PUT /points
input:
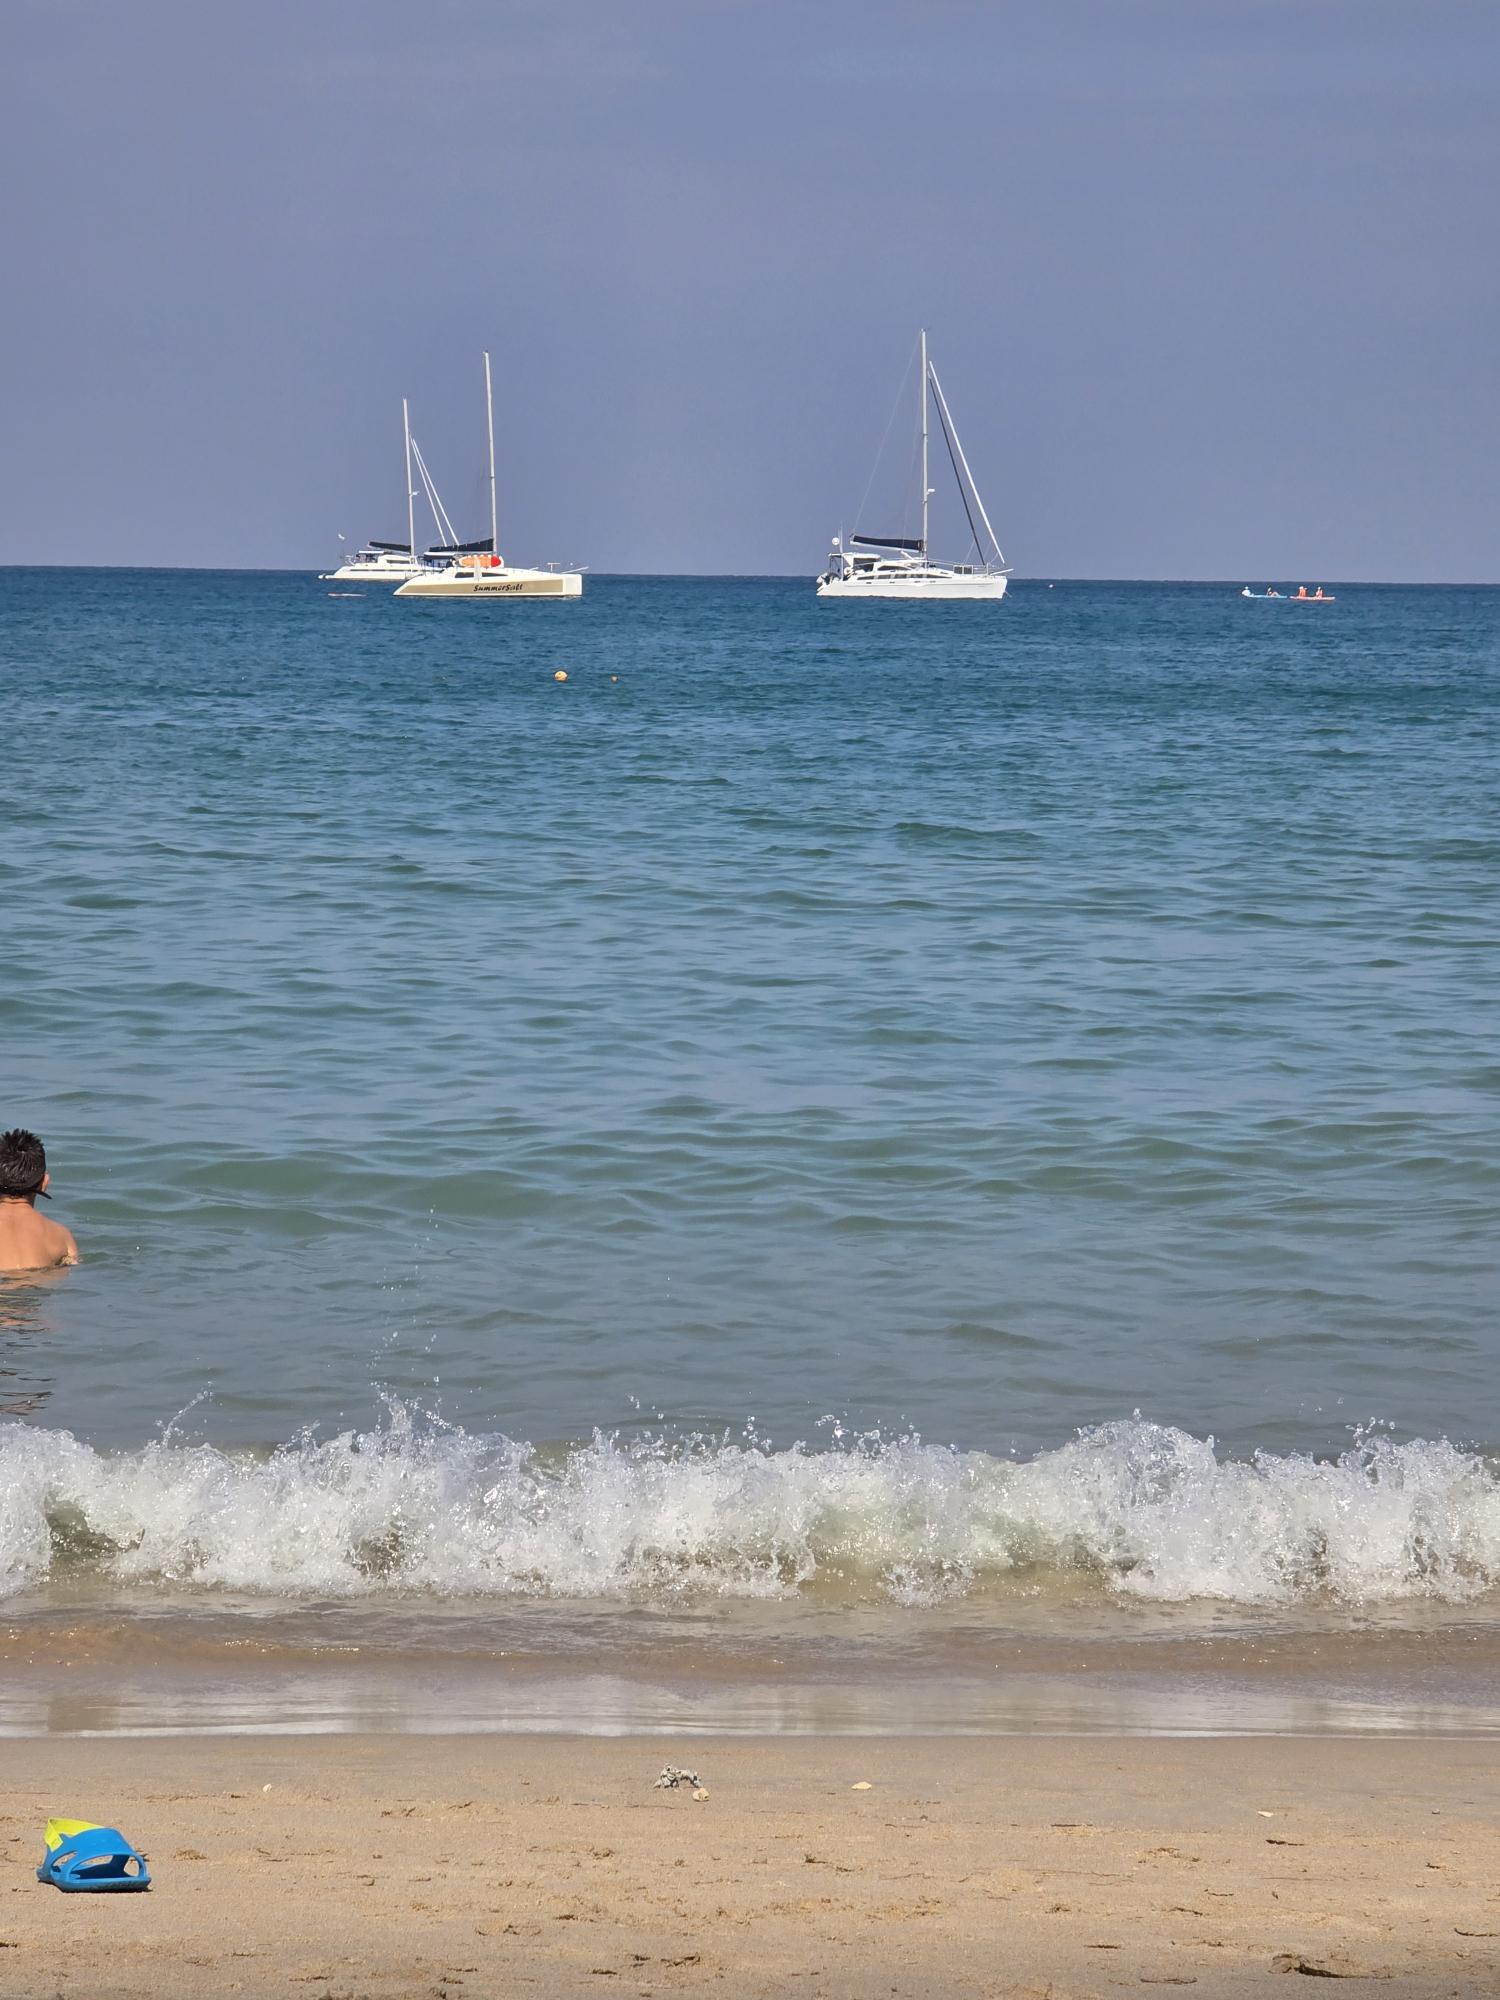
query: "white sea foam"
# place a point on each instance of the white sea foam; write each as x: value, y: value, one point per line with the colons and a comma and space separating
x: 1149, y: 1512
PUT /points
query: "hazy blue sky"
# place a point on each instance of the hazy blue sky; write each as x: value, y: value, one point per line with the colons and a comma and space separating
x: 1212, y: 284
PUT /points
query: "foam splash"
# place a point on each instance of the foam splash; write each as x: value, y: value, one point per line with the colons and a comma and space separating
x: 413, y: 1506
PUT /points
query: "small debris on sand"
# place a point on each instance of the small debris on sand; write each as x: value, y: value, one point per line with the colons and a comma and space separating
x: 1334, y: 1966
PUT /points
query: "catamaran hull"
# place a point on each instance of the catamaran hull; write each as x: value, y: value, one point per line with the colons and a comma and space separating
x: 370, y: 573
x: 496, y: 583
x: 986, y: 589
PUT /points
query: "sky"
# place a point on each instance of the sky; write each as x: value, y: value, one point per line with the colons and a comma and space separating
x: 1213, y: 286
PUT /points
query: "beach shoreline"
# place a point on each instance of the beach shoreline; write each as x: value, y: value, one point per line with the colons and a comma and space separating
x: 462, y: 1866
x: 89, y: 1667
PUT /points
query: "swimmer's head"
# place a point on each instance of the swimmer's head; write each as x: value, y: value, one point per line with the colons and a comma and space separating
x: 23, y: 1166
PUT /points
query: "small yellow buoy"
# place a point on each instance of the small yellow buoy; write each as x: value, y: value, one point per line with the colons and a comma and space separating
x: 559, y: 675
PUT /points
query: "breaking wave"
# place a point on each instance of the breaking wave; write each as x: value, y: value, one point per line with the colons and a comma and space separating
x: 418, y: 1507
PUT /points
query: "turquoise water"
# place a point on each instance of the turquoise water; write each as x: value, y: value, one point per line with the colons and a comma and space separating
x: 978, y: 1022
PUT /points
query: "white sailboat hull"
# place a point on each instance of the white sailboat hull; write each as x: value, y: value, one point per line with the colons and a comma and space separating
x: 371, y: 572
x: 934, y: 584
x: 474, y: 582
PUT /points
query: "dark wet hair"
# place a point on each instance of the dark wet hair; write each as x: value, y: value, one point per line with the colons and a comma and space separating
x: 23, y: 1163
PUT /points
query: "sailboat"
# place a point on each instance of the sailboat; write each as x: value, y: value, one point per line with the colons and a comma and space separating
x: 881, y: 566
x: 376, y: 562
x: 477, y: 569
x: 394, y: 562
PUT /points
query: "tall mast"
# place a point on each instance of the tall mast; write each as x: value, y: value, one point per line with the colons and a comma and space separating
x: 489, y: 412
x: 411, y: 497
x: 922, y: 392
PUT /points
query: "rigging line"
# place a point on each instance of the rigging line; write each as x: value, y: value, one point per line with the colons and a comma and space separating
x: 434, y: 499
x: 890, y: 423
x: 450, y: 533
x: 426, y: 483
x: 978, y: 502
x: 913, y: 477
x: 962, y: 488
x: 422, y: 474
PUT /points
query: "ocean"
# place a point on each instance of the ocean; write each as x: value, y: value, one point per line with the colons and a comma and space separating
x: 862, y: 1135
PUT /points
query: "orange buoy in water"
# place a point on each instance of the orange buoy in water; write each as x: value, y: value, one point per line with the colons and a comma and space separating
x: 559, y: 675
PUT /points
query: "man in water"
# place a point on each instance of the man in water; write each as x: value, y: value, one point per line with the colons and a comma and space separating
x: 28, y: 1241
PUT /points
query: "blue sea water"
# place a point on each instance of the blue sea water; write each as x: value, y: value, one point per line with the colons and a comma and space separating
x: 918, y: 1033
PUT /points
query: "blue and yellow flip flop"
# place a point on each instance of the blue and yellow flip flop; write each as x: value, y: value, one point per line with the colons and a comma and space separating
x: 81, y: 1855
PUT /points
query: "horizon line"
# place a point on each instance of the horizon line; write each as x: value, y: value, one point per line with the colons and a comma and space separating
x: 746, y: 576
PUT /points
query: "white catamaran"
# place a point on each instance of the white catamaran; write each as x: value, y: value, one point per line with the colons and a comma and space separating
x: 376, y: 562
x: 881, y: 566
x: 394, y: 562
x: 476, y: 569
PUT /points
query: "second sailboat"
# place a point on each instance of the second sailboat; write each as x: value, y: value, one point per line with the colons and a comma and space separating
x: 881, y: 566
x: 484, y: 572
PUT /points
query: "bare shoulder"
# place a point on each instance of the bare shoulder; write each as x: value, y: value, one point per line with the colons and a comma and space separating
x: 63, y: 1242
x: 33, y: 1243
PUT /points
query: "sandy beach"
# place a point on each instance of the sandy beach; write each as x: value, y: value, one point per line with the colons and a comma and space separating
x: 468, y: 1866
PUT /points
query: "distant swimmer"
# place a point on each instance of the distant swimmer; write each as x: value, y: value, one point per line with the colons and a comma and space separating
x: 28, y: 1241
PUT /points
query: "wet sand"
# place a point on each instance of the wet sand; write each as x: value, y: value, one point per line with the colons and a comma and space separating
x: 1049, y: 1868
x: 90, y: 1669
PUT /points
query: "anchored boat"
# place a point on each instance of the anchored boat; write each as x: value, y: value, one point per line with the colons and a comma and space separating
x: 477, y: 569
x: 394, y: 562
x: 881, y: 566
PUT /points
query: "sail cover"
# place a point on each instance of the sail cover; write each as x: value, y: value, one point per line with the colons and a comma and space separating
x: 462, y: 548
x: 884, y: 542
x: 400, y: 548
